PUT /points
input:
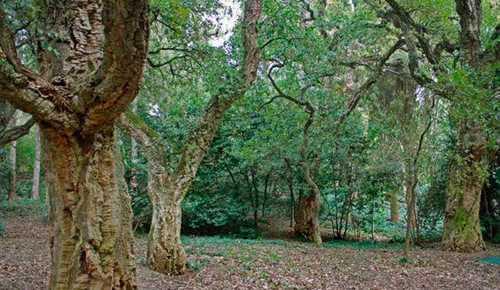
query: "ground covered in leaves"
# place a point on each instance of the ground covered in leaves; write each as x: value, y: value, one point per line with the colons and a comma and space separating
x: 223, y: 263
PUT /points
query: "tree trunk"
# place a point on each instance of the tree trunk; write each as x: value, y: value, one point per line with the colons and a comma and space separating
x: 13, y: 172
x: 394, y: 202
x: 35, y: 188
x: 411, y: 217
x: 165, y: 251
x: 307, y: 219
x: 462, y: 230
x: 91, y: 238
x: 168, y: 189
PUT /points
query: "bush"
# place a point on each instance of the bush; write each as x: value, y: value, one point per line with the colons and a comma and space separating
x: 213, y: 214
x: 25, y: 207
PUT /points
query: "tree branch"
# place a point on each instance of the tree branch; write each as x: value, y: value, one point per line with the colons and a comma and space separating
x: 117, y: 80
x: 8, y: 46
x: 200, y: 139
x: 15, y: 133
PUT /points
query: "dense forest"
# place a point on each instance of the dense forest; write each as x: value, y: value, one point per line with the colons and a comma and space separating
x: 257, y: 144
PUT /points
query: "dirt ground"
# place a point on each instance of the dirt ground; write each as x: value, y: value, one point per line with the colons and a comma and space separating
x: 218, y: 263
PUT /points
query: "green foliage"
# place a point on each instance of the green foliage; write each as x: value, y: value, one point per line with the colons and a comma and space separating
x: 214, y: 213
x: 24, y: 207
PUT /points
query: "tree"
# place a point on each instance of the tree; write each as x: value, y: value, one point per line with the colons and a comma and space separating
x: 462, y: 231
x: 13, y: 165
x: 90, y: 64
x: 168, y: 189
x: 468, y: 88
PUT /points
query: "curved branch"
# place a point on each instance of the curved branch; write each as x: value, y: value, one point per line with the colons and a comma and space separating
x: 8, y: 47
x: 353, y: 102
x: 39, y: 98
x: 15, y: 133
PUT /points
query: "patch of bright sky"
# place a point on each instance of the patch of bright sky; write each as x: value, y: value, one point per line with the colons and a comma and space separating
x: 227, y: 16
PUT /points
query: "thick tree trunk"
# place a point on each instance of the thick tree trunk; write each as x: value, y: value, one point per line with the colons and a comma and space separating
x: 167, y: 189
x: 462, y: 231
x: 307, y: 219
x: 165, y: 251
x: 91, y: 239
x: 35, y: 188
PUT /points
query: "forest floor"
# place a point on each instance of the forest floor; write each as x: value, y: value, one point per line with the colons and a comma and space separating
x: 224, y: 263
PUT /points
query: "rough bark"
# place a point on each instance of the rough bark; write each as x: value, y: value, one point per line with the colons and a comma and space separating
x: 35, y: 188
x: 75, y: 96
x: 167, y: 189
x: 90, y: 245
x: 462, y: 230
x: 468, y: 172
x: 165, y: 252
x: 307, y: 211
x: 306, y: 219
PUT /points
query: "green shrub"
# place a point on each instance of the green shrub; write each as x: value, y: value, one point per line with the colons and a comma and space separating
x: 24, y: 207
x: 213, y: 214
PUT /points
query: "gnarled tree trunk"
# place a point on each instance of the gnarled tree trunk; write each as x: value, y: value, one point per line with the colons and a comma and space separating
x: 307, y: 219
x: 167, y: 189
x: 165, y: 251
x: 462, y: 230
x: 84, y: 82
x: 91, y: 242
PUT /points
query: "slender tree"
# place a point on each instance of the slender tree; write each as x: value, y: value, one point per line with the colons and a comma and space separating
x: 35, y: 188
x: 13, y: 165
